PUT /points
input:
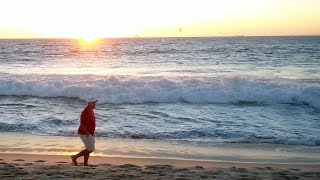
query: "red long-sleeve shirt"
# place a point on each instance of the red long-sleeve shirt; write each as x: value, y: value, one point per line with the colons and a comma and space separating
x: 89, y: 120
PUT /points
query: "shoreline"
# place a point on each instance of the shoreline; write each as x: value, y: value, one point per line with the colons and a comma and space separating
x: 16, y: 143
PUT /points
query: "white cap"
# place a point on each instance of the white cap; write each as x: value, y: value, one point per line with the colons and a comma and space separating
x: 92, y: 100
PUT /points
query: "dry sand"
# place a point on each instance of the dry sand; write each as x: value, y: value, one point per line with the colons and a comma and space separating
x: 25, y: 166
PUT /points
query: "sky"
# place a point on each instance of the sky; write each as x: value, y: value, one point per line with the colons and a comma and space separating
x: 157, y: 18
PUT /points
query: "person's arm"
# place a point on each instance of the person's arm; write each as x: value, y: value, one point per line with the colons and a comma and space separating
x: 84, y: 121
x: 84, y: 129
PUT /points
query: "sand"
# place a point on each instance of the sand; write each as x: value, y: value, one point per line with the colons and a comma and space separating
x: 30, y: 166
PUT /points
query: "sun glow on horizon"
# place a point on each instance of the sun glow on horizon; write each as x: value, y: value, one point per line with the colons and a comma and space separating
x: 89, y: 42
x: 166, y: 18
x: 89, y: 39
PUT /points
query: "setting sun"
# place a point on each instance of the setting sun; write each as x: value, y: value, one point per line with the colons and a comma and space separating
x: 89, y: 42
x: 89, y: 39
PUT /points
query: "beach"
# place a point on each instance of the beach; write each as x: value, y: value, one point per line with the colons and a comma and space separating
x: 27, y: 166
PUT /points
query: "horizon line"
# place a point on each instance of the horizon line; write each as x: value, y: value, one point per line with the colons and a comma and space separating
x: 138, y: 37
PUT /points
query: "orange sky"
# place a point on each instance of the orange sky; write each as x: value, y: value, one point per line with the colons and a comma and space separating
x: 157, y: 18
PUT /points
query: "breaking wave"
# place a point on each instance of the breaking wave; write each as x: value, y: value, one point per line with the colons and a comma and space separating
x: 137, y: 90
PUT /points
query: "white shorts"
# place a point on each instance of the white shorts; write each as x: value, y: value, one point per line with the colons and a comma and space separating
x: 88, y: 141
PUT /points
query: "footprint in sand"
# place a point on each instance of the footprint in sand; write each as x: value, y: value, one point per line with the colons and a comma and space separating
x: 39, y: 161
x: 61, y: 162
x: 27, y: 164
x: 18, y: 160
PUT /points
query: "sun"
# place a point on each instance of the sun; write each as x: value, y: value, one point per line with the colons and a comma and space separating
x: 89, y: 39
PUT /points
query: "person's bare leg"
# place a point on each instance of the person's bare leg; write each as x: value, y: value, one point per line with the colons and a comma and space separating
x: 86, y: 158
x: 75, y: 157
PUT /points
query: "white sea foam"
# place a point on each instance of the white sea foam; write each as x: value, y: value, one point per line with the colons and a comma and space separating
x: 129, y: 89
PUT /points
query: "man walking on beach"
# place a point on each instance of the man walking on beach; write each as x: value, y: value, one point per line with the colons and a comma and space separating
x: 86, y: 132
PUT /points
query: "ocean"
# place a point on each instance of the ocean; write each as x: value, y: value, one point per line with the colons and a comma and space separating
x: 164, y: 94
